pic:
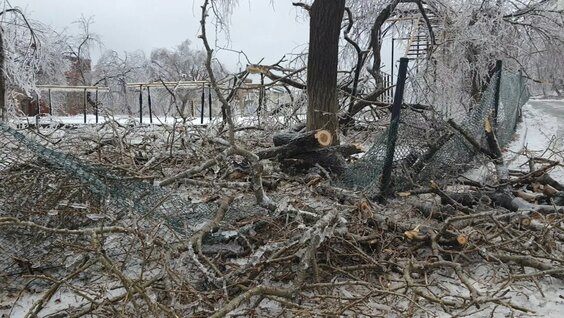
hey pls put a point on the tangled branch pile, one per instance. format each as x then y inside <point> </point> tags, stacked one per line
<point>70,249</point>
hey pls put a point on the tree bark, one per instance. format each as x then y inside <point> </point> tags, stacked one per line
<point>325,25</point>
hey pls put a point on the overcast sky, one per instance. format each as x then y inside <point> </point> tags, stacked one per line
<point>258,27</point>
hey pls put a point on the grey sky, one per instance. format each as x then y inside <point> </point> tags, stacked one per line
<point>258,27</point>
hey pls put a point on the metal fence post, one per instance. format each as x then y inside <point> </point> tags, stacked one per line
<point>203,103</point>
<point>521,89</point>
<point>394,125</point>
<point>96,106</point>
<point>150,105</point>
<point>392,67</point>
<point>210,101</point>
<point>498,67</point>
<point>84,99</point>
<point>50,103</point>
<point>140,104</point>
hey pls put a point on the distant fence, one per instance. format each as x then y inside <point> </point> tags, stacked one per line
<point>387,82</point>
<point>426,149</point>
<point>151,102</point>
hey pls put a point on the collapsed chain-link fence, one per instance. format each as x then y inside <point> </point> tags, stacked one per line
<point>55,188</point>
<point>426,149</point>
<point>122,192</point>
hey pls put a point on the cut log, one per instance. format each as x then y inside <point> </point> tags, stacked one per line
<point>529,197</point>
<point>330,158</point>
<point>334,162</point>
<point>296,143</point>
<point>308,140</point>
<point>299,127</point>
<point>546,179</point>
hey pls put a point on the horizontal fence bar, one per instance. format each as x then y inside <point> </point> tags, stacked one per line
<point>72,88</point>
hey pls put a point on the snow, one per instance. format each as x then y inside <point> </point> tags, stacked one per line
<point>542,127</point>
<point>541,133</point>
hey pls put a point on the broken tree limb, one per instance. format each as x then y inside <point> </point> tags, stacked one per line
<point>539,176</point>
<point>547,180</point>
<point>330,158</point>
<point>470,139</point>
<point>433,148</point>
<point>332,161</point>
<point>213,224</point>
<point>345,150</point>
<point>529,261</point>
<point>309,139</point>
<point>302,142</point>
<point>265,70</point>
<point>342,195</point>
<point>257,167</point>
<point>493,145</point>
<point>190,172</point>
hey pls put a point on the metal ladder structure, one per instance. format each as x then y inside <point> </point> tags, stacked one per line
<point>419,41</point>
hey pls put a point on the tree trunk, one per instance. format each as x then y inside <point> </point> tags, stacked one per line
<point>2,80</point>
<point>325,26</point>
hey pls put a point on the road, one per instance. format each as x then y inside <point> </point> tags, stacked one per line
<point>542,132</point>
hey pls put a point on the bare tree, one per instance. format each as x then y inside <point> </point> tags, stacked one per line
<point>181,64</point>
<point>115,71</point>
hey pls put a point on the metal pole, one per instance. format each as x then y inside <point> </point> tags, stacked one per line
<point>50,105</point>
<point>203,102</point>
<point>394,125</point>
<point>393,65</point>
<point>96,106</point>
<point>498,67</point>
<point>519,114</point>
<point>261,98</point>
<point>140,104</point>
<point>210,102</point>
<point>150,105</point>
<point>417,53</point>
<point>84,104</point>
<point>38,101</point>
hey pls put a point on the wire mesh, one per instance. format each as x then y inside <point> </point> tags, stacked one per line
<point>426,150</point>
<point>19,150</point>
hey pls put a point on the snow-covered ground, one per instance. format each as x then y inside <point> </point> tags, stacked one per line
<point>540,134</point>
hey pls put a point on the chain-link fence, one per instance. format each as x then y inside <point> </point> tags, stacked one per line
<point>23,151</point>
<point>44,181</point>
<point>426,149</point>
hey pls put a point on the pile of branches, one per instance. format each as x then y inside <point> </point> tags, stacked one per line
<point>322,250</point>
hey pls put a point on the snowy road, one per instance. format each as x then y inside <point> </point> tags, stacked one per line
<point>542,133</point>
<point>552,110</point>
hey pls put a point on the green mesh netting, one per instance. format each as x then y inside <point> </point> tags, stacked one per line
<point>426,149</point>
